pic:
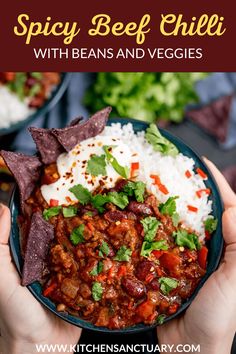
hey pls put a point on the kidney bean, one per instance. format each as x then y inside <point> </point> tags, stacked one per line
<point>139,208</point>
<point>154,285</point>
<point>133,287</point>
<point>144,268</point>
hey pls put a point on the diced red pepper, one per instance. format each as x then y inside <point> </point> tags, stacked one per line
<point>157,253</point>
<point>192,208</point>
<point>208,235</point>
<point>101,277</point>
<point>53,202</point>
<point>162,188</point>
<point>145,310</point>
<point>201,173</point>
<point>201,191</point>
<point>169,261</point>
<point>122,271</point>
<point>49,289</point>
<point>202,257</point>
<point>149,278</point>
<point>188,174</point>
<point>173,308</point>
<point>134,167</point>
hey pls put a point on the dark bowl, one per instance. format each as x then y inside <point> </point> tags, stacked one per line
<point>55,96</point>
<point>215,245</point>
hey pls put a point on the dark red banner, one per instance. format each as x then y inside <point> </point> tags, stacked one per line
<point>117,36</point>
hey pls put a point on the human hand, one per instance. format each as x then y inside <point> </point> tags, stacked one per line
<point>23,321</point>
<point>211,318</point>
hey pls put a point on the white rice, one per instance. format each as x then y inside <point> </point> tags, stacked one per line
<point>12,109</point>
<point>171,171</point>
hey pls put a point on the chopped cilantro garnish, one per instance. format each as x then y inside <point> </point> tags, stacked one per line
<point>97,269</point>
<point>169,207</point>
<point>77,235</point>
<point>50,212</point>
<point>123,254</point>
<point>81,193</point>
<point>175,219</point>
<point>150,226</point>
<point>97,165</point>
<point>135,189</point>
<point>119,199</point>
<point>167,284</point>
<point>161,318</point>
<point>121,170</point>
<point>148,247</point>
<point>97,291</point>
<point>104,249</point>
<point>185,239</point>
<point>210,225</point>
<point>159,142</point>
<point>69,211</point>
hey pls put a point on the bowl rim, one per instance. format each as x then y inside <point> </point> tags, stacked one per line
<point>55,96</point>
<point>140,327</point>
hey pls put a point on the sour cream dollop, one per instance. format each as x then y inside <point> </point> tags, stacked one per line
<point>72,168</point>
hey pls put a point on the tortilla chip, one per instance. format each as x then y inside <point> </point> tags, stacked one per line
<point>47,144</point>
<point>72,135</point>
<point>41,234</point>
<point>25,169</point>
<point>76,121</point>
<point>213,118</point>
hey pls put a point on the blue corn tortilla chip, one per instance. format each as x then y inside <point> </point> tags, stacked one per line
<point>26,171</point>
<point>214,117</point>
<point>41,234</point>
<point>72,135</point>
<point>47,144</point>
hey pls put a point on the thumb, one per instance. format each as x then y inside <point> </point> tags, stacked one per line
<point>229,226</point>
<point>5,224</point>
<point>9,278</point>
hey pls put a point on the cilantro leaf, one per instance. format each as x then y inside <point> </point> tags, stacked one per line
<point>161,318</point>
<point>150,226</point>
<point>50,212</point>
<point>159,142</point>
<point>119,199</point>
<point>97,269</point>
<point>98,201</point>
<point>121,170</point>
<point>123,254</point>
<point>167,284</point>
<point>148,247</point>
<point>97,291</point>
<point>185,239</point>
<point>210,225</point>
<point>69,211</point>
<point>97,165</point>
<point>104,249</point>
<point>82,194</point>
<point>175,219</point>
<point>135,189</point>
<point>169,207</point>
<point>77,235</point>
